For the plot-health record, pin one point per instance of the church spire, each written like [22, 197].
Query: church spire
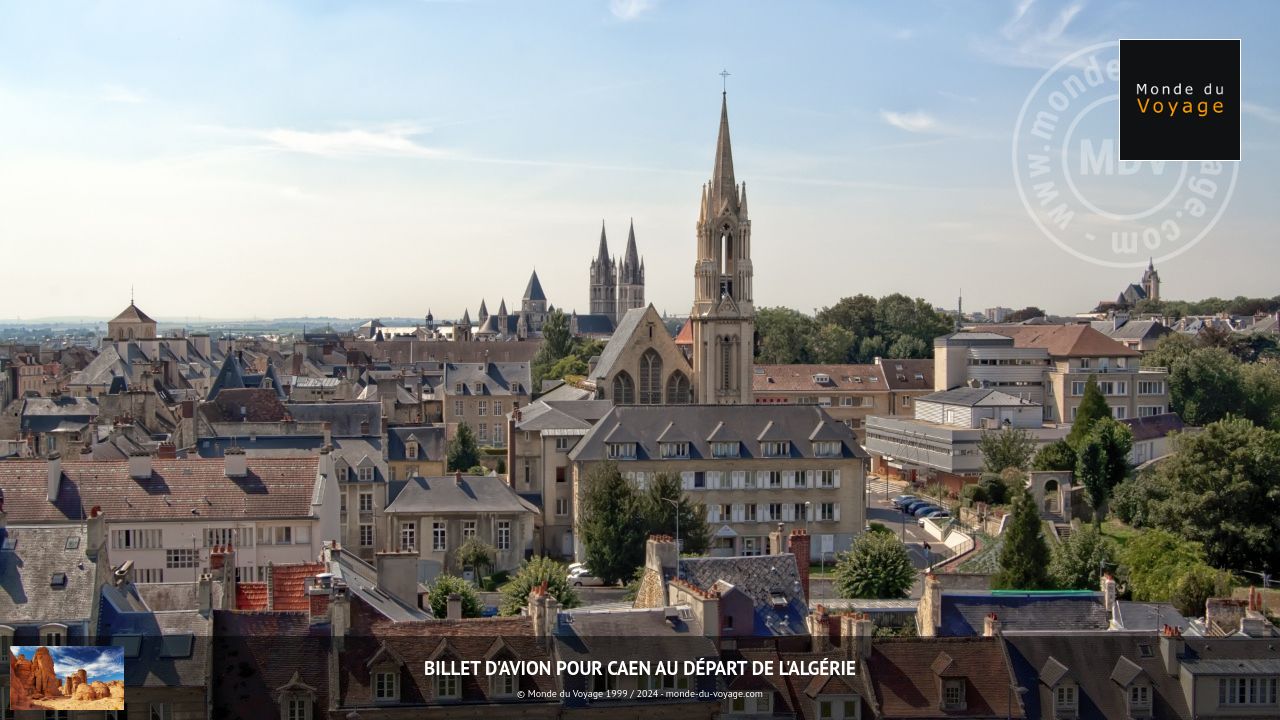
[632, 258]
[723, 186]
[602, 255]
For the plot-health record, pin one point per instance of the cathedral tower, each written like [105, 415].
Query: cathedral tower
[630, 278]
[604, 281]
[723, 314]
[1151, 282]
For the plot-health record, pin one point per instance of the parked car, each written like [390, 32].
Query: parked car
[576, 566]
[903, 500]
[940, 515]
[583, 577]
[925, 509]
[911, 507]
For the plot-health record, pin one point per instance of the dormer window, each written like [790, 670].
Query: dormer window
[411, 450]
[1139, 700]
[295, 708]
[675, 450]
[447, 687]
[622, 451]
[504, 686]
[821, 378]
[724, 449]
[386, 685]
[457, 388]
[477, 387]
[53, 634]
[1064, 701]
[775, 449]
[828, 448]
[953, 695]
[840, 708]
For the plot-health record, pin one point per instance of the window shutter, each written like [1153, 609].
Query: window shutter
[713, 480]
[837, 506]
[788, 512]
[686, 479]
[837, 481]
[762, 478]
[788, 479]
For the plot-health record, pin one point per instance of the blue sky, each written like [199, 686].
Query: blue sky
[100, 663]
[241, 159]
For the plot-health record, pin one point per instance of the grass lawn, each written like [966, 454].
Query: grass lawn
[1118, 532]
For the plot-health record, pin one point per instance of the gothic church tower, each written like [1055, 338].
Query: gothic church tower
[604, 281]
[630, 278]
[723, 314]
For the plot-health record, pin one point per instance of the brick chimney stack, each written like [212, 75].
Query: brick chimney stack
[799, 544]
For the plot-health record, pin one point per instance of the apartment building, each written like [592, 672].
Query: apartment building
[752, 466]
[849, 393]
[481, 394]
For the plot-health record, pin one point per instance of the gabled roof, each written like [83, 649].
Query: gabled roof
[1154, 427]
[904, 675]
[471, 494]
[805, 378]
[257, 653]
[26, 593]
[759, 578]
[1062, 341]
[430, 439]
[975, 397]
[963, 613]
[133, 313]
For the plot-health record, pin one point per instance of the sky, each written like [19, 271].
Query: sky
[100, 663]
[375, 159]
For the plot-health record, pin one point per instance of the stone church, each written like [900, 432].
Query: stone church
[641, 364]
[616, 287]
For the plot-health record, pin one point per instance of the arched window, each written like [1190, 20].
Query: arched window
[624, 390]
[726, 363]
[678, 389]
[650, 378]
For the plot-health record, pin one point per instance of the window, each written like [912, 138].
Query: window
[482, 407]
[562, 506]
[826, 449]
[366, 535]
[342, 473]
[160, 711]
[1139, 697]
[447, 687]
[53, 634]
[839, 709]
[801, 478]
[1150, 410]
[135, 539]
[504, 534]
[386, 686]
[775, 478]
[411, 450]
[220, 536]
[505, 685]
[650, 378]
[906, 401]
[1064, 698]
[624, 390]
[775, 449]
[365, 501]
[365, 474]
[1077, 387]
[775, 511]
[180, 558]
[827, 511]
[1247, 691]
[563, 444]
[675, 450]
[482, 432]
[458, 408]
[826, 478]
[498, 434]
[1150, 387]
[742, 705]
[439, 538]
[297, 709]
[800, 511]
[604, 683]
[284, 535]
[468, 529]
[408, 535]
[724, 449]
[678, 390]
[750, 512]
[953, 695]
[1119, 412]
[622, 450]
[148, 575]
[497, 408]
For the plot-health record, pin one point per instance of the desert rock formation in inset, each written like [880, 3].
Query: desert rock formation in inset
[35, 686]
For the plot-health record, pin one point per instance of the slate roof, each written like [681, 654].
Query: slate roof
[591, 324]
[273, 488]
[1233, 655]
[758, 578]
[974, 397]
[619, 342]
[254, 654]
[1090, 659]
[26, 594]
[344, 417]
[1153, 427]
[746, 423]
[1076, 340]
[362, 582]
[472, 494]
[796, 695]
[800, 378]
[430, 438]
[159, 633]
[963, 613]
[533, 291]
[495, 378]
[901, 673]
[44, 414]
[244, 405]
[562, 414]
[1132, 330]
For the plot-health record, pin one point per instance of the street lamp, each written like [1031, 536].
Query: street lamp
[806, 516]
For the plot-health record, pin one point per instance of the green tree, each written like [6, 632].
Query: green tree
[1154, 561]
[557, 344]
[1138, 501]
[613, 525]
[1093, 407]
[1077, 560]
[1057, 455]
[876, 566]
[475, 553]
[1102, 462]
[831, 344]
[1169, 350]
[446, 585]
[784, 335]
[1026, 313]
[1224, 492]
[660, 514]
[1206, 386]
[856, 314]
[532, 573]
[1261, 387]
[1024, 556]
[1005, 448]
[463, 453]
[1196, 585]
[907, 346]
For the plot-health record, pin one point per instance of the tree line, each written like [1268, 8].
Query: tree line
[854, 330]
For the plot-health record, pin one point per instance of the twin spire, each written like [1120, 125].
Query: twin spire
[631, 258]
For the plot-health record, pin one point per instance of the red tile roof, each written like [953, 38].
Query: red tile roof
[251, 596]
[1060, 341]
[901, 671]
[177, 490]
[288, 585]
[685, 336]
[800, 378]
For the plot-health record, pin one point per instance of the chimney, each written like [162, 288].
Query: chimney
[551, 616]
[204, 593]
[122, 575]
[1254, 624]
[222, 568]
[457, 478]
[140, 465]
[661, 556]
[776, 546]
[1171, 647]
[454, 605]
[819, 627]
[799, 543]
[339, 613]
[96, 530]
[1109, 593]
[236, 462]
[328, 434]
[537, 609]
[929, 609]
[55, 475]
[991, 625]
[398, 576]
[856, 631]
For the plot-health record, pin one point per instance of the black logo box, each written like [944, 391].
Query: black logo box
[1186, 65]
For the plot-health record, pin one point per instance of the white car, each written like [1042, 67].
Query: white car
[574, 567]
[583, 577]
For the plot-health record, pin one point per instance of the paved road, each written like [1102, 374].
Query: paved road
[881, 510]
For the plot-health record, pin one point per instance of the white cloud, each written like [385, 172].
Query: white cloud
[1270, 115]
[121, 94]
[628, 10]
[100, 666]
[916, 122]
[1036, 35]
[390, 141]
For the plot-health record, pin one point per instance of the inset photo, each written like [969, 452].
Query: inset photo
[69, 677]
